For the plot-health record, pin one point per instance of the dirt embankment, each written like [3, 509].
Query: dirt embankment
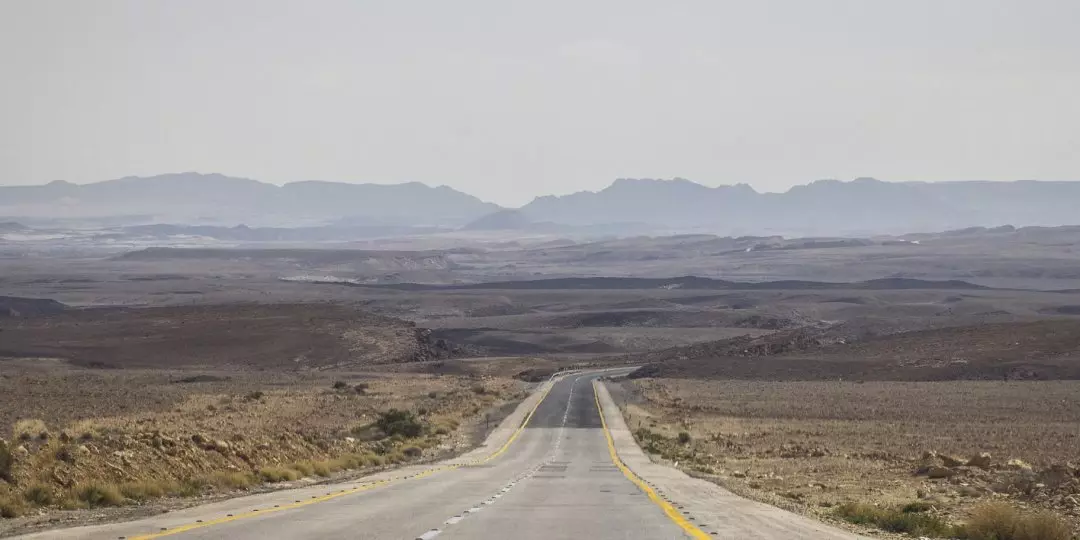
[1011, 351]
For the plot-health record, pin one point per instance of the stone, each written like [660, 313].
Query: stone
[1018, 465]
[950, 461]
[221, 446]
[982, 460]
[940, 472]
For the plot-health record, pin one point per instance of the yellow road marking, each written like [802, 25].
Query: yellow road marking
[324, 498]
[669, 510]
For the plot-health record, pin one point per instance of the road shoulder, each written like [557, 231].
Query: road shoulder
[712, 508]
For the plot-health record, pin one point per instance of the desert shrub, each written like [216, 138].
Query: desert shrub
[38, 494]
[254, 396]
[1042, 525]
[361, 388]
[412, 451]
[340, 385]
[11, 507]
[916, 506]
[321, 468]
[191, 487]
[303, 467]
[894, 520]
[28, 428]
[65, 454]
[399, 422]
[7, 462]
[1002, 521]
[684, 437]
[97, 494]
[432, 394]
[278, 474]
[142, 490]
[230, 480]
[479, 389]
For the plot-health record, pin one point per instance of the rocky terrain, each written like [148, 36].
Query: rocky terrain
[944, 450]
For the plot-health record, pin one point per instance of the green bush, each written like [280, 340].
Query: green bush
[399, 422]
[895, 520]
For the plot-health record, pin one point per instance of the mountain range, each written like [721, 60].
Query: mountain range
[824, 207]
[224, 200]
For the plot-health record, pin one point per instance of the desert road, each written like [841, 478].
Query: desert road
[557, 467]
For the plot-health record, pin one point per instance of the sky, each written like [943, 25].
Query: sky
[509, 99]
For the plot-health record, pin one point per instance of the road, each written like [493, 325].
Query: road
[564, 474]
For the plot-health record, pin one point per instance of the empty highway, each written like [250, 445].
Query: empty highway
[568, 472]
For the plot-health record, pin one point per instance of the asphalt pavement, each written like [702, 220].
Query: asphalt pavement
[555, 468]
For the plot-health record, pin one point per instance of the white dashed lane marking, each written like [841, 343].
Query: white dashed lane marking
[528, 474]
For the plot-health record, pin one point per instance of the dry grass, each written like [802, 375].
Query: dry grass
[235, 436]
[38, 494]
[29, 428]
[1001, 521]
[98, 494]
[11, 506]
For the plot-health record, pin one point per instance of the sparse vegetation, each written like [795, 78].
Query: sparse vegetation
[340, 385]
[1002, 521]
[895, 520]
[278, 474]
[97, 494]
[38, 495]
[7, 461]
[142, 490]
[11, 507]
[807, 445]
[29, 428]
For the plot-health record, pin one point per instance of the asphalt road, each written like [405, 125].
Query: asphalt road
[558, 477]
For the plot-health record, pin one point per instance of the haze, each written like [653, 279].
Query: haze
[509, 100]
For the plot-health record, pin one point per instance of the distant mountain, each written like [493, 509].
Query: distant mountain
[218, 199]
[863, 206]
[501, 220]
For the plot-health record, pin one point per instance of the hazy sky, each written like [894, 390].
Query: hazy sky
[507, 100]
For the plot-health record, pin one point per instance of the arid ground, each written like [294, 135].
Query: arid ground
[811, 375]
